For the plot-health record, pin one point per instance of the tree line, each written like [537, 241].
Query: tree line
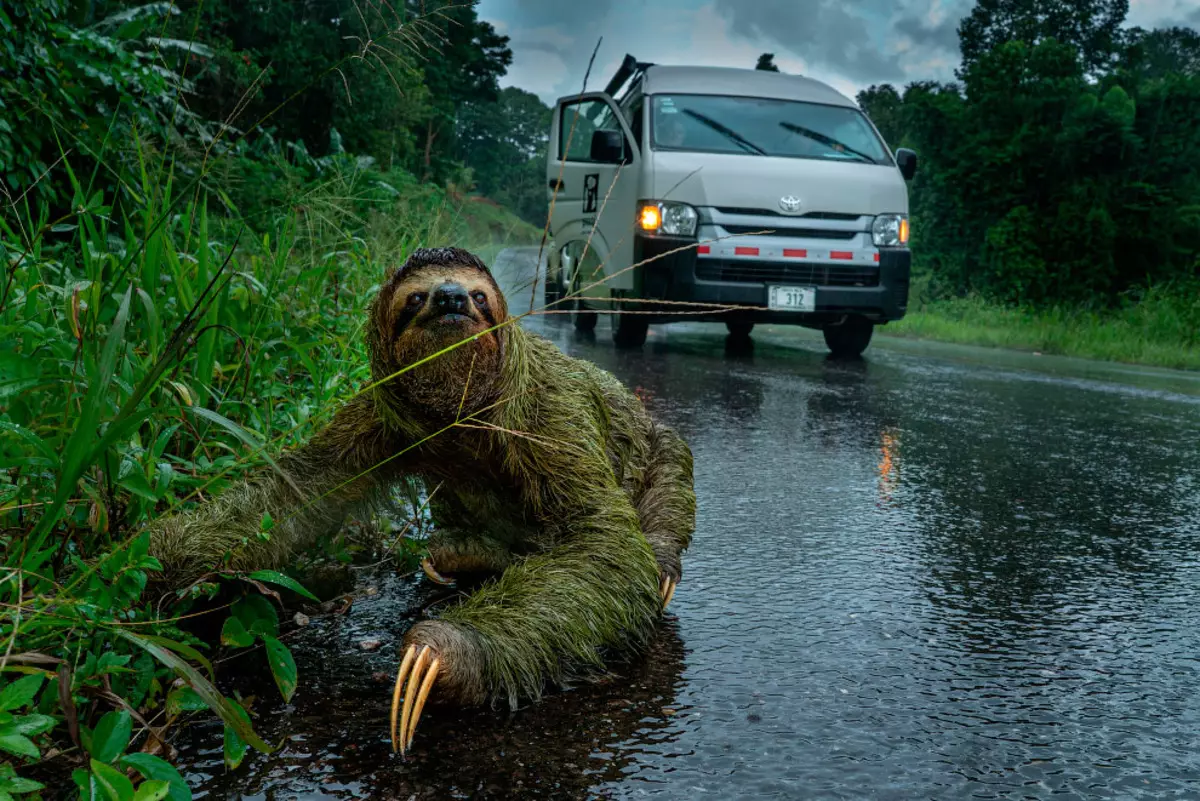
[250, 92]
[1063, 164]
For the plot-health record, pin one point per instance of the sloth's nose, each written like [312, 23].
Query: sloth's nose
[450, 299]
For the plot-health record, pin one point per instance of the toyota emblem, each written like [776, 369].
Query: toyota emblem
[789, 203]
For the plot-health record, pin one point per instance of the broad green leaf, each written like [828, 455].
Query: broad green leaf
[156, 768]
[274, 577]
[33, 725]
[235, 746]
[226, 709]
[19, 785]
[152, 790]
[283, 666]
[111, 736]
[21, 692]
[233, 633]
[83, 780]
[20, 745]
[257, 614]
[113, 783]
[184, 699]
[182, 649]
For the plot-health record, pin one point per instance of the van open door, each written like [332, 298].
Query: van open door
[592, 172]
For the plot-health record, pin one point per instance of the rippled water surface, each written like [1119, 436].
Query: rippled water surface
[936, 573]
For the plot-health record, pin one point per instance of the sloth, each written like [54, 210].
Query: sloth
[554, 488]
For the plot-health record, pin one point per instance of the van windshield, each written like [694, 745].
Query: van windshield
[764, 127]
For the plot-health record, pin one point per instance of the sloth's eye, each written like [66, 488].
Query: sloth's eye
[480, 297]
[416, 299]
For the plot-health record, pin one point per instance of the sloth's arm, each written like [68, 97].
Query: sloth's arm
[549, 615]
[342, 469]
[596, 589]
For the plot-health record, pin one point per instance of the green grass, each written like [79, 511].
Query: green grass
[155, 345]
[1162, 329]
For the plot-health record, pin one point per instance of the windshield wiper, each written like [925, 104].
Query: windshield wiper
[728, 133]
[827, 141]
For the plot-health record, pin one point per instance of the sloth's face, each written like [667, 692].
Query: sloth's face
[440, 305]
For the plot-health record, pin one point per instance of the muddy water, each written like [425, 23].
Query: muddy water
[937, 573]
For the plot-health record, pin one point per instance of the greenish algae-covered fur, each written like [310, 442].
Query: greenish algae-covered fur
[551, 477]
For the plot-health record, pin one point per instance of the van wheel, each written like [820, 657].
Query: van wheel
[584, 319]
[849, 338]
[739, 329]
[629, 330]
[554, 290]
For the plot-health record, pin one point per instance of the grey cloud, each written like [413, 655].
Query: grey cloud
[822, 32]
[942, 36]
[572, 15]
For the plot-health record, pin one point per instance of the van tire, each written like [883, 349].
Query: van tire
[848, 339]
[554, 290]
[585, 321]
[739, 329]
[583, 318]
[629, 330]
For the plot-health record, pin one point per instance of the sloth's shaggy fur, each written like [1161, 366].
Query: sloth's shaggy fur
[552, 477]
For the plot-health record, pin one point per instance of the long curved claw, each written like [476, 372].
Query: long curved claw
[405, 664]
[667, 590]
[426, 662]
[423, 694]
[434, 576]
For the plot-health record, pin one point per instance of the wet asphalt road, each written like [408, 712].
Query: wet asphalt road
[936, 573]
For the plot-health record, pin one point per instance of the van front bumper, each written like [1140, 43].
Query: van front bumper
[878, 291]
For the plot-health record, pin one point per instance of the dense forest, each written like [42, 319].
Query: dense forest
[196, 199]
[1063, 167]
[252, 97]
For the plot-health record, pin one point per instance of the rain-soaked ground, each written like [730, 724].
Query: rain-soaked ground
[936, 573]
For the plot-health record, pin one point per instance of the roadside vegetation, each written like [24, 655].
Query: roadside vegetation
[1157, 329]
[197, 202]
[1057, 202]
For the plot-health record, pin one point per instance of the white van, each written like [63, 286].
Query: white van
[722, 187]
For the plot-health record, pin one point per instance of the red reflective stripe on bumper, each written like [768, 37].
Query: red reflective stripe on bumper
[707, 249]
[841, 254]
[746, 251]
[795, 254]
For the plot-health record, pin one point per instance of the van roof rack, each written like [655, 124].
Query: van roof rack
[630, 68]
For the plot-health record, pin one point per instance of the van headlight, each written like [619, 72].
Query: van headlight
[666, 217]
[890, 231]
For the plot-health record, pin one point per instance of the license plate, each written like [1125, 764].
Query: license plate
[792, 298]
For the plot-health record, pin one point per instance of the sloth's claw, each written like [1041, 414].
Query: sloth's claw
[667, 590]
[424, 665]
[434, 576]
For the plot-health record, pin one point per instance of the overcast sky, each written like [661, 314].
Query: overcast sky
[849, 44]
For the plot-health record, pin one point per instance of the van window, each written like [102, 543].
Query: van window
[636, 116]
[584, 117]
[763, 126]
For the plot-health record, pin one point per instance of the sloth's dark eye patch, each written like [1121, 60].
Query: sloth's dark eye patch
[415, 301]
[479, 297]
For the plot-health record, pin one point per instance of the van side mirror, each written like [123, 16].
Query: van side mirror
[906, 160]
[608, 147]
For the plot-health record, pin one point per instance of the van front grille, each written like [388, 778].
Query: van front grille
[763, 272]
[795, 233]
[812, 215]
